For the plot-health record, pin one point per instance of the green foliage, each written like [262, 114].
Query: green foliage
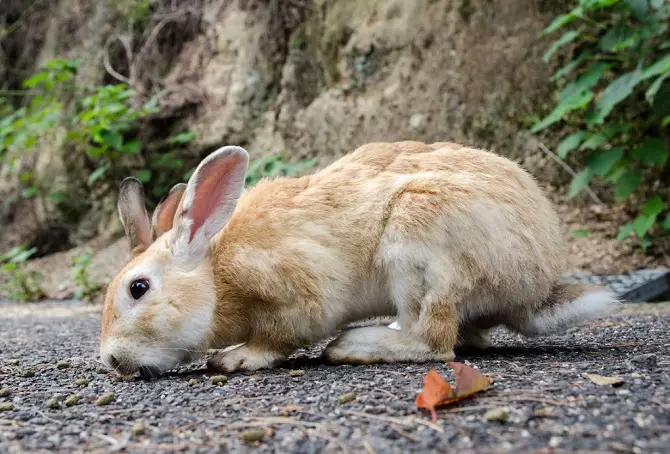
[99, 125]
[103, 123]
[21, 285]
[614, 97]
[87, 288]
[275, 166]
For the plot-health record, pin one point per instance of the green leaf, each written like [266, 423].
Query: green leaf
[560, 42]
[660, 66]
[571, 66]
[618, 38]
[627, 184]
[642, 224]
[601, 162]
[616, 92]
[132, 146]
[651, 153]
[580, 233]
[579, 182]
[666, 223]
[569, 143]
[29, 192]
[585, 82]
[624, 232]
[57, 196]
[143, 175]
[595, 141]
[36, 80]
[181, 138]
[652, 91]
[666, 121]
[596, 4]
[562, 20]
[579, 101]
[112, 139]
[97, 174]
[653, 206]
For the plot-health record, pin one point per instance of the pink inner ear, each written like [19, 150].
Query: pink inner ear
[217, 188]
[166, 211]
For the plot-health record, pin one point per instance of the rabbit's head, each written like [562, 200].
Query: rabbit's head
[159, 309]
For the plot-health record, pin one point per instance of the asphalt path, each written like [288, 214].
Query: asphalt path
[542, 401]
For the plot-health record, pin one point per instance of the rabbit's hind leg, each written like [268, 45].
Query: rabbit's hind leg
[431, 338]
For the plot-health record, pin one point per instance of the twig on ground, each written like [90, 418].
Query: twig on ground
[389, 419]
[429, 424]
[570, 170]
[368, 448]
[387, 393]
[404, 434]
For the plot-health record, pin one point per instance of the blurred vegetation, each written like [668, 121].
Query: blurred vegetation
[22, 285]
[613, 95]
[87, 288]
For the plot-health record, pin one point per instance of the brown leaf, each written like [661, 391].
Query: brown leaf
[604, 381]
[436, 391]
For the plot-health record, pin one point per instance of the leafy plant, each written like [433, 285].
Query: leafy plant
[274, 166]
[613, 97]
[101, 126]
[87, 288]
[22, 285]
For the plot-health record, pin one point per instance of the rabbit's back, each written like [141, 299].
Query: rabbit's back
[466, 217]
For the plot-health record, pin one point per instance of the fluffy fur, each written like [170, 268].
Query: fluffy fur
[452, 240]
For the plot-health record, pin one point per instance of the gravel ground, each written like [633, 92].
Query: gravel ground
[539, 385]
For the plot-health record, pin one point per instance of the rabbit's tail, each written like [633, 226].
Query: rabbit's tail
[568, 304]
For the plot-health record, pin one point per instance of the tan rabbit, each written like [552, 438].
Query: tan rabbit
[453, 240]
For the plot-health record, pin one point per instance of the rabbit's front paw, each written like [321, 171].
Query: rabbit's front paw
[244, 358]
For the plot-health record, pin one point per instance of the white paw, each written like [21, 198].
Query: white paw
[243, 358]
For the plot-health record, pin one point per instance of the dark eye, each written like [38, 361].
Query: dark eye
[139, 288]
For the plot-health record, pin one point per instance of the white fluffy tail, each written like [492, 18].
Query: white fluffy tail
[567, 305]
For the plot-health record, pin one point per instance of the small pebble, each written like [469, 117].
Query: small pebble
[346, 398]
[63, 364]
[105, 399]
[124, 378]
[496, 415]
[53, 403]
[82, 382]
[13, 362]
[219, 380]
[296, 373]
[193, 382]
[138, 428]
[72, 400]
[6, 406]
[5, 392]
[29, 373]
[252, 435]
[101, 370]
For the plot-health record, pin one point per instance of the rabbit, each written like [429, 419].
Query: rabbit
[452, 240]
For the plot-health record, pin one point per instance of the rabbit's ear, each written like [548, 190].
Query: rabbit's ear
[209, 201]
[133, 213]
[164, 213]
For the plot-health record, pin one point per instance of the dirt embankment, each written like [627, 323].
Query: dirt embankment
[315, 78]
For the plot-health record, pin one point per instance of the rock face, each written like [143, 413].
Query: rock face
[318, 78]
[305, 78]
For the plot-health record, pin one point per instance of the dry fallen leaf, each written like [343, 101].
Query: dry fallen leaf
[436, 391]
[604, 381]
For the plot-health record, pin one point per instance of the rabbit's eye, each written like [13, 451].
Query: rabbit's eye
[139, 288]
